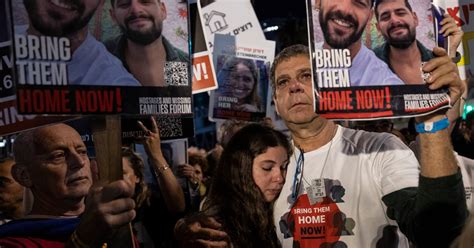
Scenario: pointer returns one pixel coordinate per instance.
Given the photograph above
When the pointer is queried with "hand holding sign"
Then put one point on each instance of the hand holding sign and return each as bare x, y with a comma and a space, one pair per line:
443, 73
451, 29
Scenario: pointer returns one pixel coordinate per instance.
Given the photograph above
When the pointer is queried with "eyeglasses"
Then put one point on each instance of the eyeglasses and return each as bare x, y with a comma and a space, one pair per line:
298, 175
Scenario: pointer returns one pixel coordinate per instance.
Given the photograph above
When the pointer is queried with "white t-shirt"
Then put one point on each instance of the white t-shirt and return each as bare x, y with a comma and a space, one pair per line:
360, 168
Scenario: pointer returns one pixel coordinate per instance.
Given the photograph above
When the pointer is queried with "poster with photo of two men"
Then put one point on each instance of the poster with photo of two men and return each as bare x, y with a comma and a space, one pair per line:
104, 57
360, 59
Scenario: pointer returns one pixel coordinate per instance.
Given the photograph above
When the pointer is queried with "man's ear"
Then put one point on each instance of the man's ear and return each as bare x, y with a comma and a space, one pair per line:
21, 175
163, 9
378, 27
371, 14
276, 105
416, 18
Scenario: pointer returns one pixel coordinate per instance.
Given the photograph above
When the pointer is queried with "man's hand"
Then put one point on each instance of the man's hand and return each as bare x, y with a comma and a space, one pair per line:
200, 231
187, 171
444, 73
107, 208
451, 30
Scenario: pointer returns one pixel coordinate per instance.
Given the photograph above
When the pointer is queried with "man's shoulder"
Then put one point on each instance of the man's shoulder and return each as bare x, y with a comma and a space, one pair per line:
373, 70
371, 55
115, 45
367, 60
96, 51
173, 53
381, 52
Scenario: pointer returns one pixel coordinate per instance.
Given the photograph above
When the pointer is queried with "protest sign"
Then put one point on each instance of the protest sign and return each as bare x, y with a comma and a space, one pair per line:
242, 75
354, 76
233, 17
204, 75
78, 58
73, 62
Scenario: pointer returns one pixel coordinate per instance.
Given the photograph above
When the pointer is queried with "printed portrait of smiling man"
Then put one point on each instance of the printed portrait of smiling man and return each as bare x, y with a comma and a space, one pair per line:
342, 24
141, 46
87, 60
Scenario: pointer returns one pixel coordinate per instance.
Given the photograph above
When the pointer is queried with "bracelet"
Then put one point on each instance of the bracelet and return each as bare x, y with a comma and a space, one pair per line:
162, 169
432, 127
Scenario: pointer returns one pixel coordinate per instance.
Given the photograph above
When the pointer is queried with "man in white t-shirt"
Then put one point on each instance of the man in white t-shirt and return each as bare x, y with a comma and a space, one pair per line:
351, 188
360, 189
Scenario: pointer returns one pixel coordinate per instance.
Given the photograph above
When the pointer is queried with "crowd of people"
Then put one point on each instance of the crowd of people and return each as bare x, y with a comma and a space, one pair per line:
258, 190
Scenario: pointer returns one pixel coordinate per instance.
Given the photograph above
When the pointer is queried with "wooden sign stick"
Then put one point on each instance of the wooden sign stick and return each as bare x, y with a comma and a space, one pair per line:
107, 133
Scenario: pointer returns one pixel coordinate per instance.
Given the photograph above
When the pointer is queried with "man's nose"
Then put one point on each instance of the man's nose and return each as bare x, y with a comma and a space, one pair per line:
76, 160
135, 7
296, 86
394, 19
344, 5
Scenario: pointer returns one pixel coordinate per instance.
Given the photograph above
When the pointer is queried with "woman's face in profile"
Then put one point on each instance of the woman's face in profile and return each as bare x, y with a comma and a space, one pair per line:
240, 81
128, 173
269, 171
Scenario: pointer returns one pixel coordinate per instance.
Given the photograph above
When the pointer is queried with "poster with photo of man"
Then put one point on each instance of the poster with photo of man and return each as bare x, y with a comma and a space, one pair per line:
88, 57
10, 120
367, 58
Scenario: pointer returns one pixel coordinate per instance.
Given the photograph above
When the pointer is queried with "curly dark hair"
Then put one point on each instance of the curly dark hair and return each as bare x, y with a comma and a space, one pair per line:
234, 198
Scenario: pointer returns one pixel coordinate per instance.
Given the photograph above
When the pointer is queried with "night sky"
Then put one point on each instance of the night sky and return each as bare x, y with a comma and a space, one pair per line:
279, 8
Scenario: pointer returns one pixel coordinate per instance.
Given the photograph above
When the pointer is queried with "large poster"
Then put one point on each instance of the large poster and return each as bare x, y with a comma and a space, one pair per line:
102, 57
361, 59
